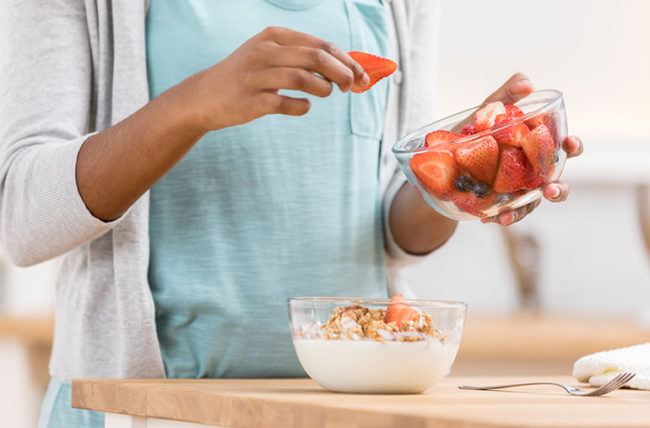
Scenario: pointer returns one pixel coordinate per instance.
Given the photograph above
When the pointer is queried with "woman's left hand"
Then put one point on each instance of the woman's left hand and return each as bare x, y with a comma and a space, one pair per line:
516, 88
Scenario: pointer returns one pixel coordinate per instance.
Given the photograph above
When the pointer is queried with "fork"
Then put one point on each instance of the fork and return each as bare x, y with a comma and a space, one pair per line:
610, 386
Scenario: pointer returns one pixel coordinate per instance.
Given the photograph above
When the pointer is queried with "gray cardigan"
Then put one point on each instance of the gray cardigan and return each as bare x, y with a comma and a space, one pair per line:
69, 68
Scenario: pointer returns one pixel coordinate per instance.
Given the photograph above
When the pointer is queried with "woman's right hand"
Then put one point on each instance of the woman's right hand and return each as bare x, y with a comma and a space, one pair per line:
245, 85
116, 166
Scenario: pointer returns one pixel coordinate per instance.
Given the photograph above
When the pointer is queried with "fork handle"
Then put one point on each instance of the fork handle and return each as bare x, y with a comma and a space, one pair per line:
512, 385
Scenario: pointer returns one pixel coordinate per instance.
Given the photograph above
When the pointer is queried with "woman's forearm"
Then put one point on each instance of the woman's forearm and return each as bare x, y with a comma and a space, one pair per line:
415, 226
116, 166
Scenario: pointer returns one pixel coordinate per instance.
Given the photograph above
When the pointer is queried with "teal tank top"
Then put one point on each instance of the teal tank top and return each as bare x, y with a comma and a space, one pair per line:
257, 213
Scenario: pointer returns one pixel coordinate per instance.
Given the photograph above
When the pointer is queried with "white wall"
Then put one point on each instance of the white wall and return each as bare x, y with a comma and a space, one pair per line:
596, 52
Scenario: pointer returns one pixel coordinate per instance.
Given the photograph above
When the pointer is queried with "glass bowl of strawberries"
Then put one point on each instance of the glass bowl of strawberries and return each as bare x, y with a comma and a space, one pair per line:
488, 159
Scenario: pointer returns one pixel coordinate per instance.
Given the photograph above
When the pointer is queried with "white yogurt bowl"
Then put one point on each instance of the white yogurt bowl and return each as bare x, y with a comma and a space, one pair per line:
346, 345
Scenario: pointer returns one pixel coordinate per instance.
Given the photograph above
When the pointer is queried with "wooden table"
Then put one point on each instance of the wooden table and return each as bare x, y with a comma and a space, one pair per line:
300, 403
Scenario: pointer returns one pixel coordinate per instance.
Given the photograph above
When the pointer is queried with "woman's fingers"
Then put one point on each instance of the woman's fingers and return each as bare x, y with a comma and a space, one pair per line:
515, 88
509, 217
573, 146
287, 38
273, 103
316, 61
556, 192
294, 78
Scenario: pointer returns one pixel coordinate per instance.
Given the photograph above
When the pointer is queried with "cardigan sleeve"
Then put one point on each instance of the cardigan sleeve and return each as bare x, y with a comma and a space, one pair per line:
420, 38
45, 114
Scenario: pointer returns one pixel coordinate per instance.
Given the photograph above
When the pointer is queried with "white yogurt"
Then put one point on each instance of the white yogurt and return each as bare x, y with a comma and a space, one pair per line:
367, 366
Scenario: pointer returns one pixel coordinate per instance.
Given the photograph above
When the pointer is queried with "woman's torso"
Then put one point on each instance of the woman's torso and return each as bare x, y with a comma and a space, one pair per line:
254, 214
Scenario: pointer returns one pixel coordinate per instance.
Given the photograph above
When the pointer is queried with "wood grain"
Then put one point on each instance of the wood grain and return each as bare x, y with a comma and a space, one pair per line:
300, 403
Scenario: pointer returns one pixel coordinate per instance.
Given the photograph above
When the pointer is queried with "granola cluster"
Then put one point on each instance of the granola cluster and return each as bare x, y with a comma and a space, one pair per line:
357, 322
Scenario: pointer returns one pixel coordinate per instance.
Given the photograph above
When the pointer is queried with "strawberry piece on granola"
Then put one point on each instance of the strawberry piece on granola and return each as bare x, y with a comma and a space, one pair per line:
397, 311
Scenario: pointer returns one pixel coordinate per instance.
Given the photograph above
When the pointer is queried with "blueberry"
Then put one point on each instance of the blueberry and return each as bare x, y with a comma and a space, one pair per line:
463, 183
481, 190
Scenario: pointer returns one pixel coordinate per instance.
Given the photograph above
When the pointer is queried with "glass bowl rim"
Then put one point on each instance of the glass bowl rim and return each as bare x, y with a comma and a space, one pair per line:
557, 98
439, 304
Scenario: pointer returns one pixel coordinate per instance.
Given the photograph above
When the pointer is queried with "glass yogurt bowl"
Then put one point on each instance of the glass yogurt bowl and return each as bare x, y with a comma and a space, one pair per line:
482, 161
346, 345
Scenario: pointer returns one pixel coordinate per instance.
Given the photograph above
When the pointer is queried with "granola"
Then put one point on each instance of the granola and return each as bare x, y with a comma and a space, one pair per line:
360, 323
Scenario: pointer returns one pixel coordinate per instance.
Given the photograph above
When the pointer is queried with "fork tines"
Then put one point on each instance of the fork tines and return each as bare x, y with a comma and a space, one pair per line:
615, 383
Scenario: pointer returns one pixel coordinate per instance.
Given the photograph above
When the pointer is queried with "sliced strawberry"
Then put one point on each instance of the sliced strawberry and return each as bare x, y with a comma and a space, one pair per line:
539, 148
472, 204
375, 66
479, 158
398, 311
540, 119
437, 169
513, 111
511, 135
549, 120
534, 181
485, 117
514, 171
439, 137
468, 130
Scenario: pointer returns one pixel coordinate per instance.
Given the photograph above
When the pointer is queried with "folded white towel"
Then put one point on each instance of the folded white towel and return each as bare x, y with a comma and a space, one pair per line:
601, 367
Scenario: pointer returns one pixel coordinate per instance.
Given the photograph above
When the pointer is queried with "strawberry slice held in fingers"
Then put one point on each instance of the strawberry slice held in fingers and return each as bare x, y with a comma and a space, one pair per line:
398, 311
436, 138
437, 169
375, 66
479, 158
485, 117
539, 148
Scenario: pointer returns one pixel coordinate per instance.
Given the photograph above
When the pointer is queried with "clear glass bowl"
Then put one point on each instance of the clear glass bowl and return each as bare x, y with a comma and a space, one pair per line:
545, 107
360, 355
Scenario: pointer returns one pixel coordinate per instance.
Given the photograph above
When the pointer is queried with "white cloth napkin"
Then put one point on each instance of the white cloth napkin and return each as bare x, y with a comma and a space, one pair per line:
601, 367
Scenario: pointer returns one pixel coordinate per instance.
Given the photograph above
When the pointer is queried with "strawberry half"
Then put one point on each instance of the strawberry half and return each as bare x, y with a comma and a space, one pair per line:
539, 148
398, 311
479, 158
511, 135
439, 137
472, 204
514, 171
375, 66
437, 169
486, 116
547, 119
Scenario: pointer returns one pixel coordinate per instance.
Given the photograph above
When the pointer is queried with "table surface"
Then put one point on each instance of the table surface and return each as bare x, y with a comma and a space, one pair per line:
290, 403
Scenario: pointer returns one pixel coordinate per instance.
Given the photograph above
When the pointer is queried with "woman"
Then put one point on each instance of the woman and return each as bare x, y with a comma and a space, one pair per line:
183, 233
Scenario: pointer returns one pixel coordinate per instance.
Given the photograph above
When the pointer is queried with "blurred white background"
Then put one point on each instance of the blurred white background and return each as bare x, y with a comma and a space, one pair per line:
592, 259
